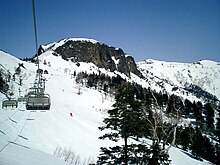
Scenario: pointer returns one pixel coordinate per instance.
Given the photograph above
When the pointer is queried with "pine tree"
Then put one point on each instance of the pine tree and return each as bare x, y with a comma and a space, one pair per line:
188, 107
209, 150
3, 84
158, 156
197, 110
209, 116
197, 146
174, 104
124, 121
185, 137
217, 160
218, 127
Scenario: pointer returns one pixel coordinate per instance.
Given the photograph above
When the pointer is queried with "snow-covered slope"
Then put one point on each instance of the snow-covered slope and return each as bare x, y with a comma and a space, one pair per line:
28, 133
54, 45
14, 154
45, 131
176, 77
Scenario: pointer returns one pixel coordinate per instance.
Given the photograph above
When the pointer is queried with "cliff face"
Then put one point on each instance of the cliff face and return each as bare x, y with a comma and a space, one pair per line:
101, 55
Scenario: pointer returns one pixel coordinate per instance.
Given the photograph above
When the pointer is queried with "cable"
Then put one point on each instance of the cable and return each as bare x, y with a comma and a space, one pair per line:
38, 74
35, 31
36, 43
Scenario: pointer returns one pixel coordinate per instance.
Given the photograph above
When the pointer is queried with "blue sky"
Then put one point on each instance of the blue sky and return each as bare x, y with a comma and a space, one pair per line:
169, 30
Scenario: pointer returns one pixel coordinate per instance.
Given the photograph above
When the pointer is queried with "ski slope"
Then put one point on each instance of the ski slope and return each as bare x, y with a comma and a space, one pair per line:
44, 131
33, 136
17, 155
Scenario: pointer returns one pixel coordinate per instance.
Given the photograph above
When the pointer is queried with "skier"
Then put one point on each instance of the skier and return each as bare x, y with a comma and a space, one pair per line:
71, 114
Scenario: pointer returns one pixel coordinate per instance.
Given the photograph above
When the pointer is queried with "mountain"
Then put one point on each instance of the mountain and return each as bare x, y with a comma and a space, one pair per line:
87, 50
34, 132
198, 80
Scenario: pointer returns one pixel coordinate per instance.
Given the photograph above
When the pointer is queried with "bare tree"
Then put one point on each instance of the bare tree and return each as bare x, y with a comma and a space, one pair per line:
69, 156
161, 130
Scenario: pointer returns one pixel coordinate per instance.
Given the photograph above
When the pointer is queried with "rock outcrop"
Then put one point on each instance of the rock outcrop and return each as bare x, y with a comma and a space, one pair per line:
102, 55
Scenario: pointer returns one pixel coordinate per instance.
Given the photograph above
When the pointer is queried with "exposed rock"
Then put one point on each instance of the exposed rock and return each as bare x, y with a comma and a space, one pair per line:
101, 55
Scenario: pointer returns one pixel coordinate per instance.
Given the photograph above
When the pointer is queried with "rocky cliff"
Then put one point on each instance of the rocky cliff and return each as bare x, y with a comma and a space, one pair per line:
102, 55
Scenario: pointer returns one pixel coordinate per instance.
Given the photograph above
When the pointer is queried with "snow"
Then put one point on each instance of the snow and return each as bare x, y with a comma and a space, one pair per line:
55, 45
47, 130
183, 158
18, 155
116, 61
205, 74
36, 135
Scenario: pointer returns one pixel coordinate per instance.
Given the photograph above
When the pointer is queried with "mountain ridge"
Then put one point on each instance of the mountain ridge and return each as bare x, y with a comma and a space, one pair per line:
161, 75
89, 50
173, 77
203, 73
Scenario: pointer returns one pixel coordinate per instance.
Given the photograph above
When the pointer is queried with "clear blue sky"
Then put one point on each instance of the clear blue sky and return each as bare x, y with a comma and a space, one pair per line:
169, 30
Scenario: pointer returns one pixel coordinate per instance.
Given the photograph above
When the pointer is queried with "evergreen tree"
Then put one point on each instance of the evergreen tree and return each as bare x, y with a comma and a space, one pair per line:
197, 146
158, 156
218, 127
209, 150
197, 110
187, 108
127, 120
148, 99
3, 84
105, 88
185, 137
217, 160
164, 99
209, 116
174, 104
138, 91
124, 121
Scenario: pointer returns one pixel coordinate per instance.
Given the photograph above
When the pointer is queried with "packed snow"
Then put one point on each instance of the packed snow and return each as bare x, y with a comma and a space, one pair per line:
31, 137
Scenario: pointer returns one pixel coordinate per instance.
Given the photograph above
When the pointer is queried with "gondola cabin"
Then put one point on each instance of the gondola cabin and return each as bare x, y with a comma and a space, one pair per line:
9, 103
22, 99
38, 102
